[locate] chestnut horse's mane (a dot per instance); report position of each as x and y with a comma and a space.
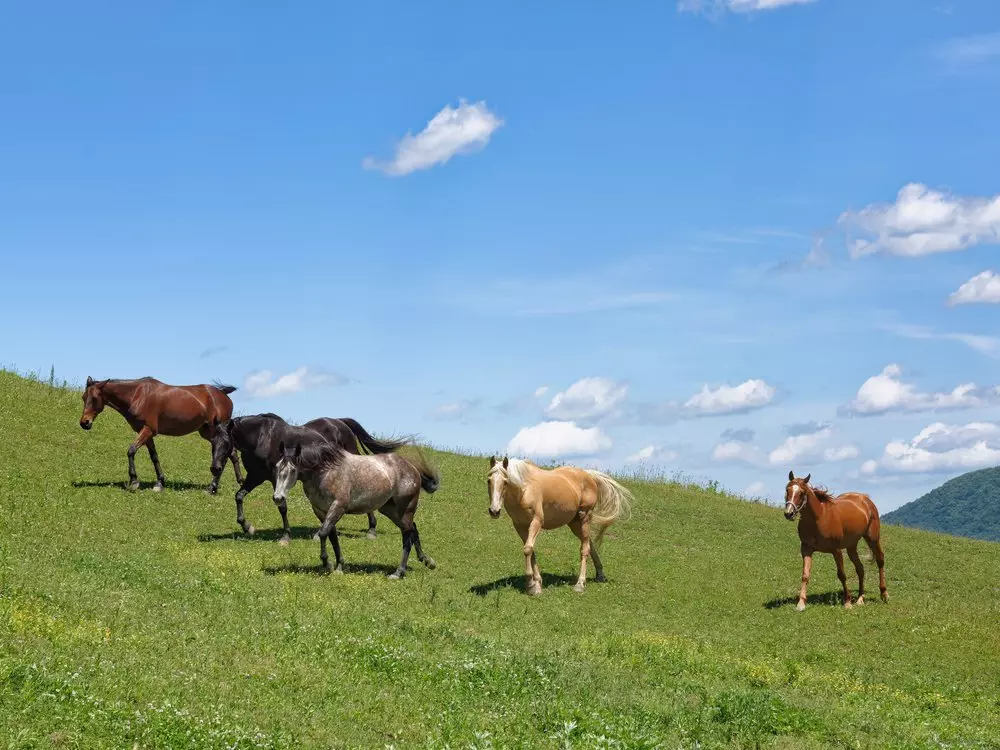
823, 494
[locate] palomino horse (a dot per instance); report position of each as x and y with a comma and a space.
585, 500
831, 524
256, 438
153, 408
337, 482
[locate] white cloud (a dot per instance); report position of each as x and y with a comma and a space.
755, 490
979, 342
983, 287
734, 452
453, 130
455, 410
587, 399
940, 448
558, 439
753, 394
541, 391
735, 6
652, 452
263, 383
798, 448
923, 221
886, 392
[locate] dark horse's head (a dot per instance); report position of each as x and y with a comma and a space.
222, 444
795, 494
93, 402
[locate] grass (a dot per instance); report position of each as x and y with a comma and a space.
145, 620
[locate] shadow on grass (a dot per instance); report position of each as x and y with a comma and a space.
829, 598
170, 484
517, 582
319, 570
273, 535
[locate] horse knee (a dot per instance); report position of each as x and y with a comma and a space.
805, 579
529, 549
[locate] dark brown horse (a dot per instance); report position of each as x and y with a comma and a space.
153, 408
831, 524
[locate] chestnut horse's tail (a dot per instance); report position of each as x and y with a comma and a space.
613, 502
227, 389
373, 445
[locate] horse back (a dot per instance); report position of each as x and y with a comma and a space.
334, 431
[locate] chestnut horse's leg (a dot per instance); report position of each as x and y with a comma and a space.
838, 555
807, 563
160, 481
875, 543
852, 552
145, 434
581, 528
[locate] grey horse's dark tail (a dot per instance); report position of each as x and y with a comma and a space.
430, 480
371, 444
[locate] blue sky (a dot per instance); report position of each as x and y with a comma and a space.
730, 237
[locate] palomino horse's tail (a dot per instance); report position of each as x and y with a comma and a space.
373, 445
613, 502
430, 480
227, 389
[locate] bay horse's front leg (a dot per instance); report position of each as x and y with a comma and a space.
160, 480
838, 555
145, 434
807, 562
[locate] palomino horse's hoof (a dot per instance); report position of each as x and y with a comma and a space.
579, 588
800, 607
533, 590
371, 534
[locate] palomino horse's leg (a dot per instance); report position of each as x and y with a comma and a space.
536, 574
807, 563
329, 529
160, 481
838, 555
852, 552
371, 527
581, 527
140, 440
532, 576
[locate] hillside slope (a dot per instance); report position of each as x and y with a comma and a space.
964, 506
145, 620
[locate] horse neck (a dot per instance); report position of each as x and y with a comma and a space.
813, 503
118, 394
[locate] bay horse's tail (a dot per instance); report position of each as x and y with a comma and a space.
613, 502
371, 444
430, 480
227, 389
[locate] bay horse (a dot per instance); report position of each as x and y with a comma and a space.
256, 439
154, 408
337, 482
586, 500
831, 524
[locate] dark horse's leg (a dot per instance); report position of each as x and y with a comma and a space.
145, 434
160, 481
329, 529
235, 458
253, 480
371, 526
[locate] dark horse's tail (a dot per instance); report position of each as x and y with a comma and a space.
370, 444
227, 389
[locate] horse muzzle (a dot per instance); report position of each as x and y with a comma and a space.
494, 513
86, 423
790, 511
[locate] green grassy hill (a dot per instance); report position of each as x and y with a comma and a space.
144, 620
965, 506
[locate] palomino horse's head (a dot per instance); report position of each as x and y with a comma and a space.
795, 494
93, 402
222, 444
496, 483
286, 472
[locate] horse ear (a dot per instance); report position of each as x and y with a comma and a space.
493, 461
791, 476
90, 381
808, 477
505, 462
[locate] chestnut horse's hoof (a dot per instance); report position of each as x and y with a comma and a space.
800, 607
579, 588
885, 596
848, 605
533, 590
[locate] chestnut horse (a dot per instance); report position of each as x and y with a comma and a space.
153, 408
585, 500
831, 524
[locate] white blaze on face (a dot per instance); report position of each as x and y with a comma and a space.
497, 481
285, 477
791, 505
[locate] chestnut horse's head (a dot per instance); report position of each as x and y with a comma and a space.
795, 494
222, 444
496, 482
93, 402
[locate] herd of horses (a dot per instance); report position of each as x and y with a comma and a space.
344, 470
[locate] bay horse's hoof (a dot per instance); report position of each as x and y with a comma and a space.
133, 486
579, 588
211, 491
429, 562
371, 534
800, 607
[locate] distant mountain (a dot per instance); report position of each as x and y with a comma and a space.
968, 505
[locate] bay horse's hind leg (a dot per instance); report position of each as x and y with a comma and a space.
581, 528
144, 435
852, 552
160, 480
371, 527
838, 555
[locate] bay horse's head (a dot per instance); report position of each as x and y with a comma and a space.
93, 402
286, 472
795, 494
222, 444
496, 483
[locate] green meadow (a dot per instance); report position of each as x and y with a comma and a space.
145, 620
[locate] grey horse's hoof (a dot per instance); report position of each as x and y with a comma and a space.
158, 487
371, 534
133, 486
395, 576
316, 537
284, 541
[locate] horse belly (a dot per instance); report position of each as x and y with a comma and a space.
366, 502
557, 516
